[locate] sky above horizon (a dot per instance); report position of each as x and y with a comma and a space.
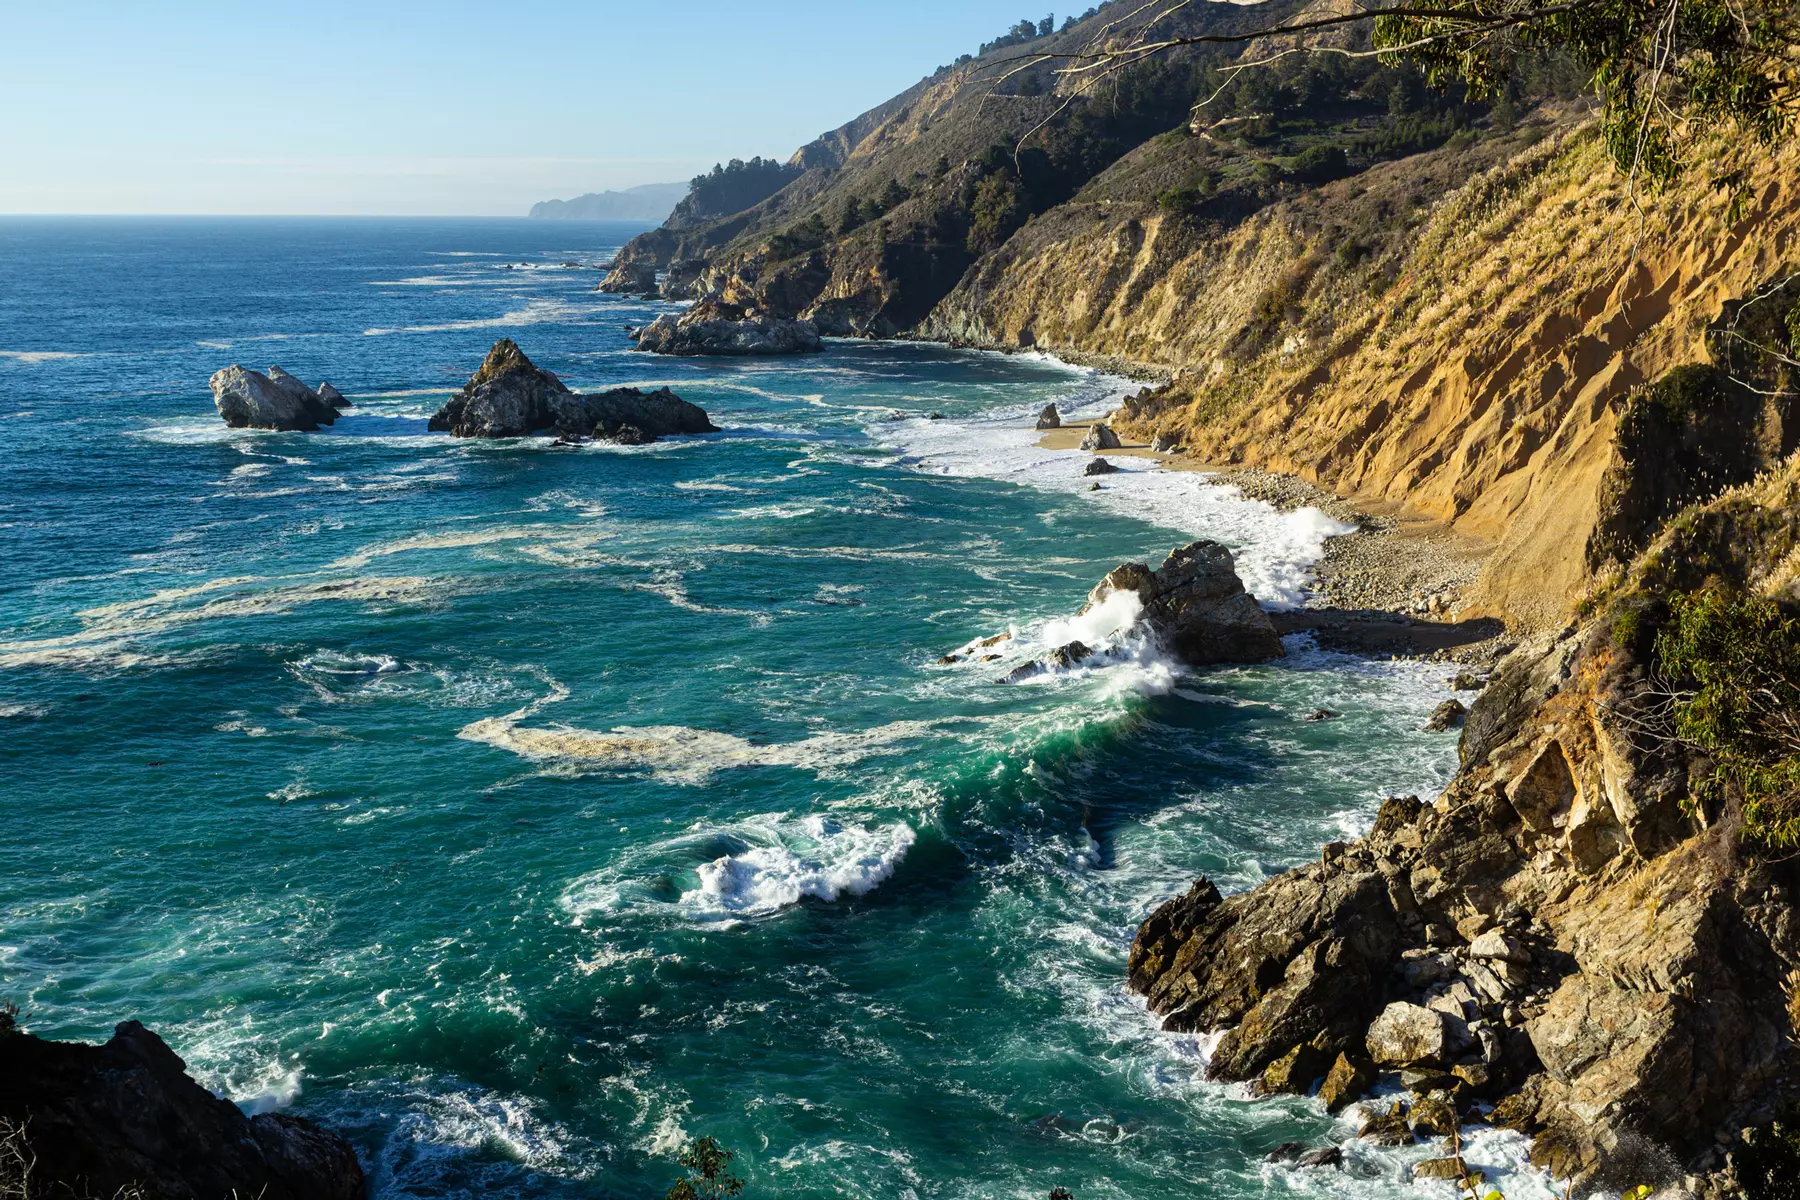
448, 108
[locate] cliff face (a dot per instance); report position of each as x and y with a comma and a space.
1467, 362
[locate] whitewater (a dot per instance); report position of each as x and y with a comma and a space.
521, 812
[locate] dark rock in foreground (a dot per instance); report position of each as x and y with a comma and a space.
103, 1120
1099, 466
714, 328
511, 397
248, 399
1197, 606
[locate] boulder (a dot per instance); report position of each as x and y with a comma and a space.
1163, 443
1099, 466
124, 1118
1101, 437
1388, 1128
1049, 418
1433, 1116
715, 328
1497, 944
1439, 1168
1448, 715
247, 399
1409, 1035
1324, 1156
331, 396
1064, 657
1293, 1073
1347, 1082
1197, 606
511, 397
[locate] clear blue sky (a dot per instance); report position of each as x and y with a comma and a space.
380, 106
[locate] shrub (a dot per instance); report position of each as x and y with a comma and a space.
712, 1178
1738, 657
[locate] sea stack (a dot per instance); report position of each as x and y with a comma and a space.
510, 396
248, 399
1197, 605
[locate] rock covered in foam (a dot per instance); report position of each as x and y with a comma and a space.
712, 327
124, 1118
1196, 604
249, 399
510, 396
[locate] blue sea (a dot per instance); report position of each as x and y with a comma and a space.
522, 811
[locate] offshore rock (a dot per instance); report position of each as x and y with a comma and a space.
331, 396
248, 399
1063, 657
712, 327
1099, 466
124, 1118
1101, 437
1049, 418
1197, 605
511, 397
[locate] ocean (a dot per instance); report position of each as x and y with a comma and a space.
521, 812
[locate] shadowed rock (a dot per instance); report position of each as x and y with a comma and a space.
509, 396
106, 1119
1049, 418
1101, 437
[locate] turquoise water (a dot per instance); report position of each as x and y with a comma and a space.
521, 812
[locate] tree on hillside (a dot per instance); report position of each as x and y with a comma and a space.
1665, 71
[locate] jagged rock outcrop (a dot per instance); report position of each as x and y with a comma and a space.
1555, 930
509, 396
1049, 418
629, 275
101, 1120
715, 328
1197, 606
278, 400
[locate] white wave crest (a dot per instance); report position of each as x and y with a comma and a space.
774, 862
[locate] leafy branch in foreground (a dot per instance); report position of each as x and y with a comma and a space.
1666, 71
1737, 657
712, 1178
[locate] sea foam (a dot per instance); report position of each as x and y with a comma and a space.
1274, 549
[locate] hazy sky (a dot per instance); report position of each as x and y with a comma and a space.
378, 106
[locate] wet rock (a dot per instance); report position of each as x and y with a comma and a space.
509, 396
1063, 657
1467, 681
1439, 1168
1197, 605
1348, 1081
125, 1118
1408, 1035
1324, 1156
1293, 1073
713, 328
248, 399
1433, 1116
1320, 714
1286, 1152
1099, 466
1388, 1128
956, 656
331, 396
1448, 715
1166, 930
1049, 418
1101, 437
935, 416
